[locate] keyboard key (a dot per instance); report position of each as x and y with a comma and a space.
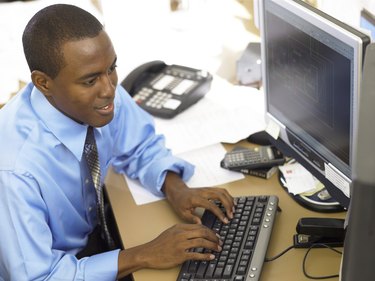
241, 270
218, 272
193, 266
201, 269
210, 270
228, 270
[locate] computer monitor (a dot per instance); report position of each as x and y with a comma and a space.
359, 255
311, 68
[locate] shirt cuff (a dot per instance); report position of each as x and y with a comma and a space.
102, 266
158, 173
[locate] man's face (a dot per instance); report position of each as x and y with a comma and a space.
85, 88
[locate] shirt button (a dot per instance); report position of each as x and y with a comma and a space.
87, 181
90, 209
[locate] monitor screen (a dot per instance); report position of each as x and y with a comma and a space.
312, 71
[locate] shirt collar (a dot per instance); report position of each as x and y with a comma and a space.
69, 132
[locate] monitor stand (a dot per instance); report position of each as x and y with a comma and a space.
319, 201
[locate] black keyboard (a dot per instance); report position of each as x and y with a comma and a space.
245, 239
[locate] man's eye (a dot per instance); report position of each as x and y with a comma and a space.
90, 82
113, 68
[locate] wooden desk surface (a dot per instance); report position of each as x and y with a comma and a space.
140, 224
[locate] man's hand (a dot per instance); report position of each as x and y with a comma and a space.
170, 248
184, 200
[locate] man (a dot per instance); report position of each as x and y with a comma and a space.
48, 202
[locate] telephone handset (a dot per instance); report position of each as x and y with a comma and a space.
166, 90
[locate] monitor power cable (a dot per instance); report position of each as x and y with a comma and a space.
312, 246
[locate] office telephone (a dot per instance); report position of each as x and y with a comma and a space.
166, 90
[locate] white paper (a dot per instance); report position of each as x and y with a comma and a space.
227, 113
208, 173
297, 179
207, 167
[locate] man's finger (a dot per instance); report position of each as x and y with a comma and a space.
189, 216
211, 206
224, 197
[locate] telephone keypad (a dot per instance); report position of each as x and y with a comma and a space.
142, 95
158, 100
172, 90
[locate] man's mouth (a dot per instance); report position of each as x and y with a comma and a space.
106, 109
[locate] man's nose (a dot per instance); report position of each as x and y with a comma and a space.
108, 87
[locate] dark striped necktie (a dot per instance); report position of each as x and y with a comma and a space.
92, 159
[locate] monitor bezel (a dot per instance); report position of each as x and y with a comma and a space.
336, 181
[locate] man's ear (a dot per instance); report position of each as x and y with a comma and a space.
42, 81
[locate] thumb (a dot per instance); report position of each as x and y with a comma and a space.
188, 216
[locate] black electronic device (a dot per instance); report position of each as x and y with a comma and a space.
245, 241
252, 158
312, 70
166, 90
318, 231
359, 255
327, 227
260, 138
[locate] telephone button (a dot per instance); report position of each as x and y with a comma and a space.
172, 104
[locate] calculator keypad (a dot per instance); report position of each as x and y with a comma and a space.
242, 158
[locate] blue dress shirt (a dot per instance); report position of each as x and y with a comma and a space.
47, 201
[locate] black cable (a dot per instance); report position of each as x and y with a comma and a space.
305, 258
279, 255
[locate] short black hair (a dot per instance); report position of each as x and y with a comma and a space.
49, 29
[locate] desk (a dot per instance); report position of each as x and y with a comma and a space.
140, 224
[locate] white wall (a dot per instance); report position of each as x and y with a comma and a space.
347, 11
13, 19
369, 5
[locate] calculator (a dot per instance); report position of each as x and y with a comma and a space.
252, 158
